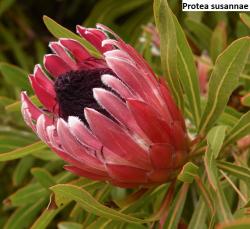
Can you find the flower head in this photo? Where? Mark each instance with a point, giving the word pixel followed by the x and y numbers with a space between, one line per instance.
pixel 110 118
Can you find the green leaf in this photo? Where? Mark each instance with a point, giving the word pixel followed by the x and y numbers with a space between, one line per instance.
pixel 47 155
pixel 22 170
pixel 187 73
pixel 60 32
pixel 243 223
pixel 224 212
pixel 43 177
pixel 69 225
pixel 15 76
pixel 48 214
pixel 33 192
pixel 64 193
pixel 168 47
pixel 239 130
pixel 200 33
pixel 199 216
pixel 245 18
pixel 21 57
pixel 5 5
pixel 245 100
pixel 224 80
pixel 188 172
pixel 211 169
pixel 16 106
pixel 216 138
pixel 46 217
pixel 229 117
pixel 4 101
pixel 27 195
pixel 22 151
pixel 175 212
pixel 241 172
pixel 218 41
pixel 24 216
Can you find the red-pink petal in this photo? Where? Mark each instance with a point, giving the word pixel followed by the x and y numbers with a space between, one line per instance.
pixel 173 109
pixel 45 97
pixel 68 158
pixel 41 125
pixel 134 78
pixel 75 149
pixel 85 173
pixel 117 85
pixel 55 65
pixel 76 49
pixel 116 107
pixel 179 136
pixel 43 80
pixel 82 133
pixel 122 173
pixel 111 157
pixel 61 52
pixel 115 138
pixel 159 176
pixel 95 37
pixel 34 111
pixel 162 156
pixel 148 120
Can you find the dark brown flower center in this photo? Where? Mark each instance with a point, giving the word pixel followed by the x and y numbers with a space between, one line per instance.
pixel 74 92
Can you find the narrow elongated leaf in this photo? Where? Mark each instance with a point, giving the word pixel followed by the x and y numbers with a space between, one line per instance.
pixel 206 194
pixel 4 101
pixel 25 215
pixel 10 39
pixel 229 117
pixel 34 191
pixel 187 73
pixel 64 193
pixel 26 195
pixel 22 151
pixel 218 41
pixel 46 217
pixel 188 172
pixel 211 169
pixel 200 32
pixel 240 172
pixel 60 32
pixel 22 169
pixel 223 81
pixel 48 214
pixel 245 18
pixel 243 223
pixel 43 177
pixel 239 130
pixel 199 216
pixel 224 212
pixel 174 215
pixel 69 225
pixel 168 47
pixel 215 139
pixel 15 76
pixel 15 107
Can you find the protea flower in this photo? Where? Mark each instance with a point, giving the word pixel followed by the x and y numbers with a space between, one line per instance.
pixel 110 118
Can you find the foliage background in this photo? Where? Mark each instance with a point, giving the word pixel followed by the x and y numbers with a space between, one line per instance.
pixel 26 179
